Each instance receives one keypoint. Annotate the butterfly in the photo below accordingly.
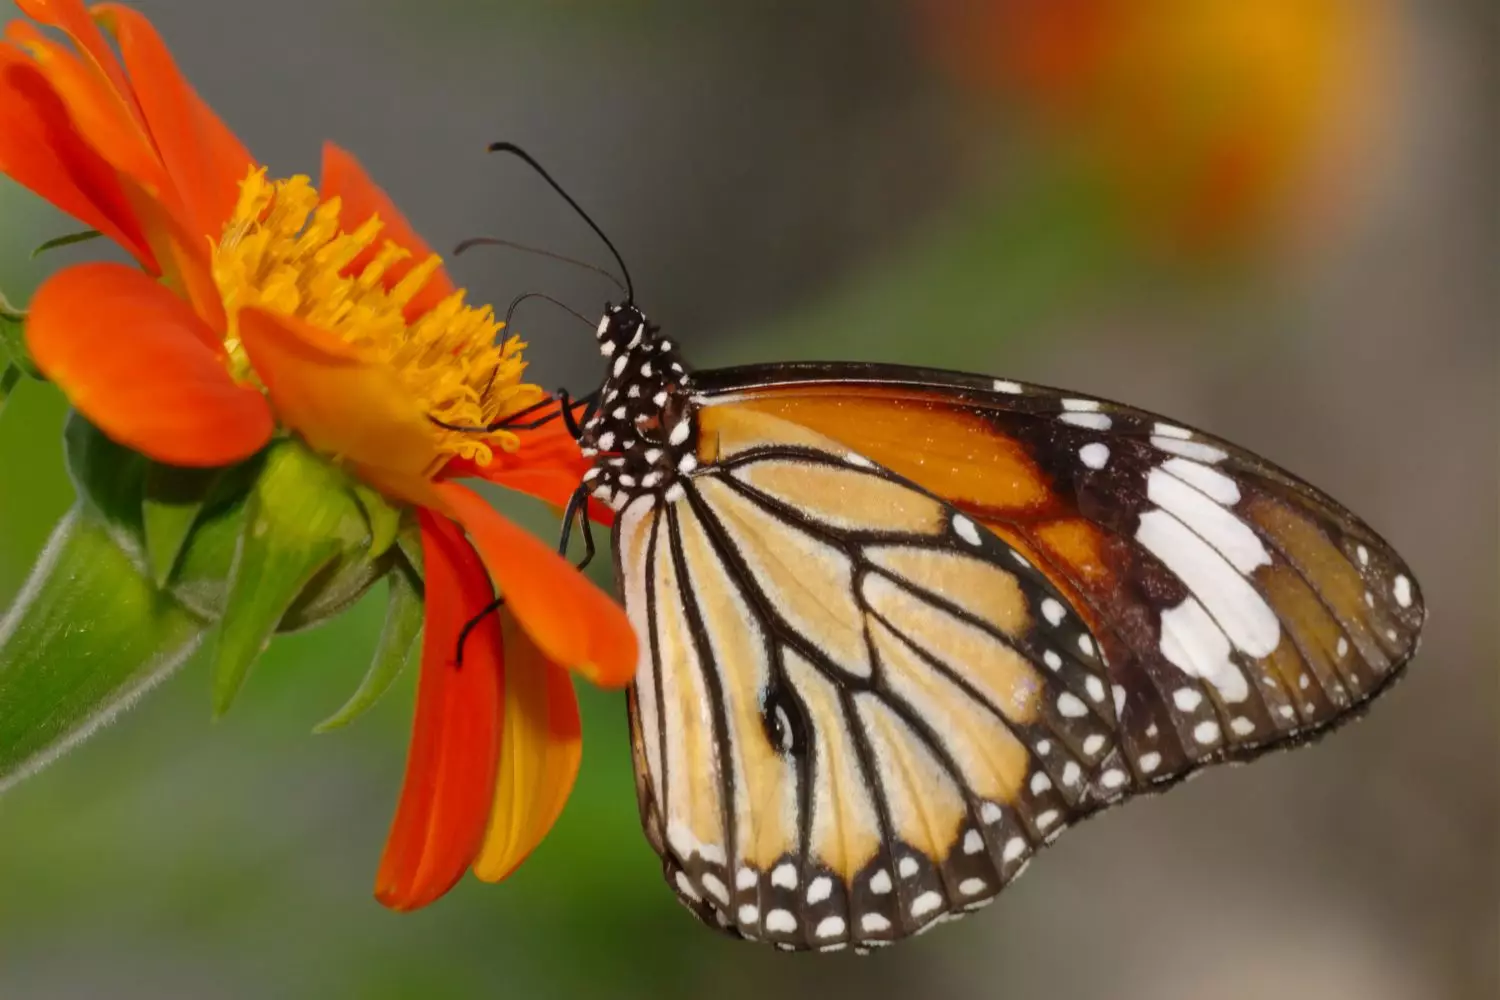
(900, 628)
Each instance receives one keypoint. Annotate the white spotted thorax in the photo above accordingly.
(639, 435)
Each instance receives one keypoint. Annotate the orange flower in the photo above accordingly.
(1209, 117)
(261, 304)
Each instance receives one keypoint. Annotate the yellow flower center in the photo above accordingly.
(283, 251)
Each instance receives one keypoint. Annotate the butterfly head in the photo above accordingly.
(639, 433)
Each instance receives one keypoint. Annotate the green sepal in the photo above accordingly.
(13, 338)
(66, 241)
(384, 520)
(300, 518)
(400, 643)
(87, 635)
(9, 376)
(109, 478)
(172, 501)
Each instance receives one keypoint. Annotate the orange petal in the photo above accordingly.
(360, 198)
(73, 19)
(572, 621)
(203, 158)
(41, 149)
(139, 363)
(96, 107)
(540, 748)
(341, 401)
(450, 769)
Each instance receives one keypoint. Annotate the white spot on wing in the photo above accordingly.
(781, 921)
(1189, 449)
(1187, 699)
(1052, 611)
(907, 867)
(1206, 478)
(1243, 613)
(745, 878)
(1080, 405)
(1401, 589)
(784, 876)
(925, 903)
(749, 914)
(1093, 744)
(1071, 706)
(966, 529)
(973, 842)
(820, 889)
(1232, 537)
(1150, 762)
(1093, 421)
(880, 882)
(830, 927)
(874, 923)
(1206, 732)
(1194, 644)
(972, 886)
(1095, 455)
(1014, 848)
(1007, 386)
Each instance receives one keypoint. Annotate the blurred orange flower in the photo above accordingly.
(259, 304)
(1206, 116)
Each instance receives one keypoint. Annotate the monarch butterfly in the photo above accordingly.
(901, 627)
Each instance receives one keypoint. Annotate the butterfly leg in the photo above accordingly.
(577, 510)
(513, 422)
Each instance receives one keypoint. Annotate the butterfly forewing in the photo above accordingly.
(900, 628)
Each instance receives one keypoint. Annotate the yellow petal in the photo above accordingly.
(541, 745)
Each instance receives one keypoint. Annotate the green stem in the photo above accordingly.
(87, 635)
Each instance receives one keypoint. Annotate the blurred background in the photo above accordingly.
(1275, 220)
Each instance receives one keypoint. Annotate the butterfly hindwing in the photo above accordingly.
(900, 628)
(859, 710)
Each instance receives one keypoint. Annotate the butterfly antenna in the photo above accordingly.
(511, 310)
(514, 150)
(495, 241)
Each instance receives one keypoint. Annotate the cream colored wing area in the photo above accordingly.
(850, 729)
(842, 497)
(809, 581)
(634, 538)
(692, 790)
(764, 780)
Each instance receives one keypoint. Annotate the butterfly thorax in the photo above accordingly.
(640, 433)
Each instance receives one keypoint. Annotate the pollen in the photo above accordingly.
(283, 251)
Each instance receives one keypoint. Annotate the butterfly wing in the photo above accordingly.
(901, 628)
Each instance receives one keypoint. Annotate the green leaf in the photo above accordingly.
(174, 497)
(300, 518)
(400, 642)
(87, 636)
(64, 241)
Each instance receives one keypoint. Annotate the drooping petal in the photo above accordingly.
(203, 158)
(98, 110)
(71, 17)
(360, 198)
(572, 621)
(41, 148)
(139, 363)
(540, 748)
(444, 807)
(343, 402)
